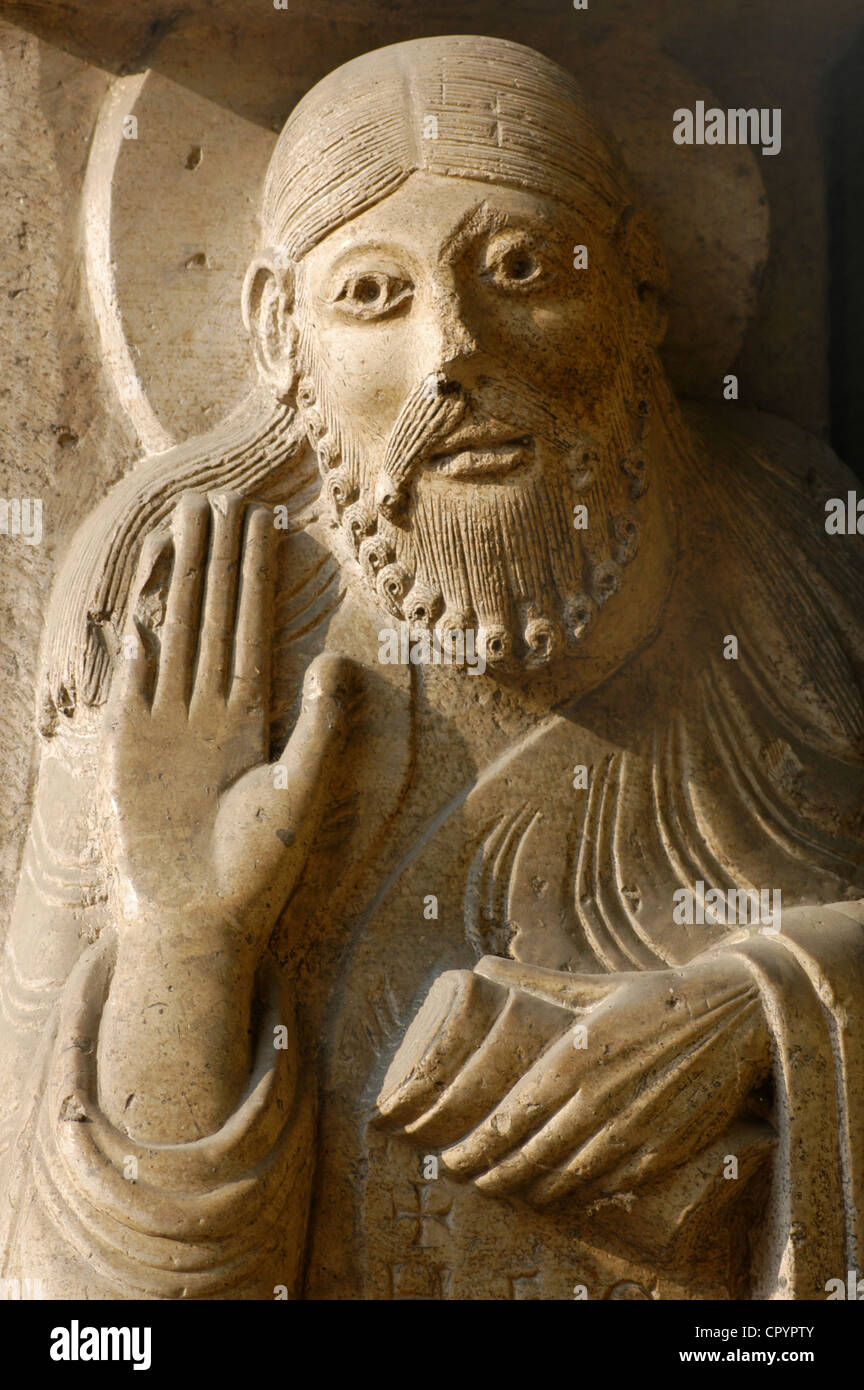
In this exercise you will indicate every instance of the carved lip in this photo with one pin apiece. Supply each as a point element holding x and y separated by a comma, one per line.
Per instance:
<point>478,452</point>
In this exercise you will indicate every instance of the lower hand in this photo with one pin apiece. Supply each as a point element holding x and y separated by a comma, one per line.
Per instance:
<point>572,1081</point>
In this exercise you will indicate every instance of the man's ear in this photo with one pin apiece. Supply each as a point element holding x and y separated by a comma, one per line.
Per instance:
<point>268,303</point>
<point>642,257</point>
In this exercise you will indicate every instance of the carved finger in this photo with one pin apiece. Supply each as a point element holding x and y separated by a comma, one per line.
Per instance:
<point>547,1085</point>
<point>182,618</point>
<point>250,683</point>
<point>281,804</point>
<point>134,659</point>
<point>220,597</point>
<point>332,690</point>
<point>522,1030</point>
<point>452,1021</point>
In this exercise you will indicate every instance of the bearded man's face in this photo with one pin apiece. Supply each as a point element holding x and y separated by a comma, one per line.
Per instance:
<point>469,391</point>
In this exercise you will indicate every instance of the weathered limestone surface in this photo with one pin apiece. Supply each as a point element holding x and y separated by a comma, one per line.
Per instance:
<point>338,967</point>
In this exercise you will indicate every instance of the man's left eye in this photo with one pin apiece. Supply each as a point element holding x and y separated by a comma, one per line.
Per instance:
<point>372,294</point>
<point>515,267</point>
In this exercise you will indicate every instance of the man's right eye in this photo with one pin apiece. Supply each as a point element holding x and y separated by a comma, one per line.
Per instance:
<point>372,294</point>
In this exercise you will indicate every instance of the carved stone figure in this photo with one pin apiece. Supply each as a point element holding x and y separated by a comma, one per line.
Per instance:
<point>336,974</point>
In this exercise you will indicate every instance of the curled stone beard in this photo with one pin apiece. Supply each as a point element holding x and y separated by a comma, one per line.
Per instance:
<point>501,558</point>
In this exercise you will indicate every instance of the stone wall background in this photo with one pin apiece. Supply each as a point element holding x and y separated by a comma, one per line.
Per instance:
<point>62,435</point>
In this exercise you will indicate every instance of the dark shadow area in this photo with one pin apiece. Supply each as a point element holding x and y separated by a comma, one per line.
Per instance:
<point>844,160</point>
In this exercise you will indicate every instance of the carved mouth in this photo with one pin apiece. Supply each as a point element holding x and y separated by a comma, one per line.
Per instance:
<point>472,453</point>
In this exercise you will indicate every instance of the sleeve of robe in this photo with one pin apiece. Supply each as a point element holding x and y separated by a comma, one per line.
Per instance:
<point>812,981</point>
<point>90,1213</point>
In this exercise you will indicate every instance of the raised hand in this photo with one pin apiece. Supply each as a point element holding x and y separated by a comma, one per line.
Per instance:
<point>206,839</point>
<point>197,820</point>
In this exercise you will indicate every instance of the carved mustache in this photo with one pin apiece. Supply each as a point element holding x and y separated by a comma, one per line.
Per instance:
<point>430,424</point>
<point>433,409</point>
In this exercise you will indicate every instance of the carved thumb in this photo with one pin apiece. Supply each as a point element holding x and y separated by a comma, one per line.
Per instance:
<point>281,804</point>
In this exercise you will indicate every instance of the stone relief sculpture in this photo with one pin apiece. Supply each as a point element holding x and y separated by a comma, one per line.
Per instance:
<point>336,974</point>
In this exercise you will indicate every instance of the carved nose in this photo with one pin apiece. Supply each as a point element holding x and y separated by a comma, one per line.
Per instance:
<point>456,343</point>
